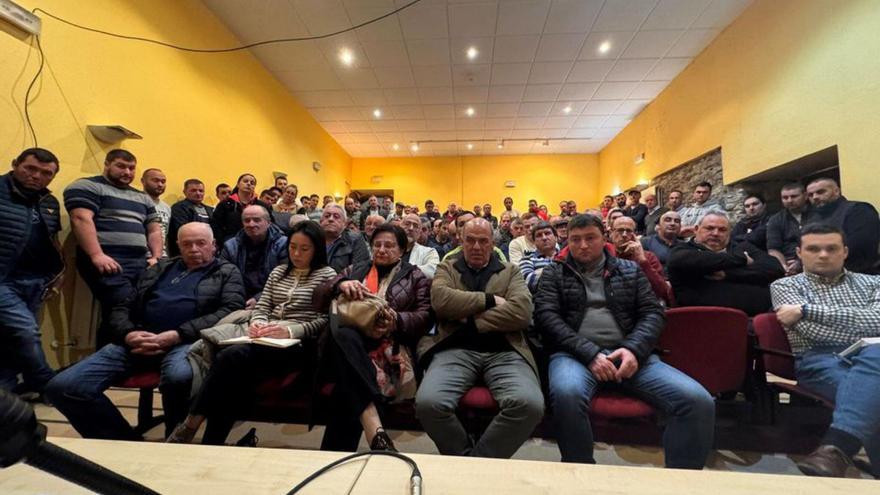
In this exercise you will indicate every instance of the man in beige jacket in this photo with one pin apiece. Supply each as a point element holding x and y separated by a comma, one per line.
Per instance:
<point>483,308</point>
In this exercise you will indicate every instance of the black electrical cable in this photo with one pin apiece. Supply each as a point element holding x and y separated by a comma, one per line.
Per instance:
<point>226,50</point>
<point>27,94</point>
<point>415,477</point>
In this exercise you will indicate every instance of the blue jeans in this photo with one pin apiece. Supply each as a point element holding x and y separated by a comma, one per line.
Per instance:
<point>21,350</point>
<point>854,389</point>
<point>78,391</point>
<point>691,410</point>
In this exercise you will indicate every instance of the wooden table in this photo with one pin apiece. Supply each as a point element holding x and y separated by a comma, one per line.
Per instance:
<point>195,469</point>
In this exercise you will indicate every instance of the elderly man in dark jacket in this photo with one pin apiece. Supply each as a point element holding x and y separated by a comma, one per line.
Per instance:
<point>30,263</point>
<point>173,301</point>
<point>256,250</point>
<point>344,247</point>
<point>600,321</point>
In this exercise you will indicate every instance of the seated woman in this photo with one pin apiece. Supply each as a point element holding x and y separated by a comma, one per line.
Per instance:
<point>370,371</point>
<point>284,311</point>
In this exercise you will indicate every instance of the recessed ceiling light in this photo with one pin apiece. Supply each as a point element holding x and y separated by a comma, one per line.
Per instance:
<point>395,146</point>
<point>472,53</point>
<point>470,146</point>
<point>605,46</point>
<point>470,111</point>
<point>377,113</point>
<point>567,109</point>
<point>501,144</point>
<point>414,147</point>
<point>346,56</point>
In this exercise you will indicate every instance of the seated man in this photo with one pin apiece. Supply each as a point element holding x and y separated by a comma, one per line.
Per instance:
<point>256,250</point>
<point>706,271</point>
<point>456,228</point>
<point>546,249</point>
<point>344,248</point>
<point>173,301</point>
<point>483,309</point>
<point>422,257</point>
<point>521,247</point>
<point>665,237</point>
<point>824,310</point>
<point>600,337</point>
<point>560,225</point>
<point>753,227</point>
<point>627,247</point>
<point>784,228</point>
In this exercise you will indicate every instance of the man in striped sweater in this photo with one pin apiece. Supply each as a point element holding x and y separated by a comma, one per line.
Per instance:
<point>545,250</point>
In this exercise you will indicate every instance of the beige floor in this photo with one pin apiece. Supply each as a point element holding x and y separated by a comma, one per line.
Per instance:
<point>298,436</point>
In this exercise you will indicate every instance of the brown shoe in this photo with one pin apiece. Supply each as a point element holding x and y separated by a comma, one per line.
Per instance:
<point>827,460</point>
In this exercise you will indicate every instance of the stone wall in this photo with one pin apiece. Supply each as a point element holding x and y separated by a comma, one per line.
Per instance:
<point>706,168</point>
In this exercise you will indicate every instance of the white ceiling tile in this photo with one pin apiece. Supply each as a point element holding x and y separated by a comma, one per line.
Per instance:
<point>389,137</point>
<point>501,110</point>
<point>383,126</point>
<point>342,138</point>
<point>433,124</point>
<point>499,124</point>
<point>617,121</point>
<point>534,109</point>
<point>323,98</point>
<point>434,75</point>
<point>348,113</point>
<point>549,72</point>
<point>439,111</point>
<point>468,94</point>
<point>367,113</point>
<point>472,20</point>
<point>424,21</point>
<point>395,77</point>
<point>290,56</point>
<point>614,90</point>
<point>469,124</point>
<point>578,91</point>
<point>527,134</point>
<point>559,47</point>
<point>720,13</point>
<point>581,133</point>
<point>312,79</point>
<point>522,17</point>
<point>471,75</point>
<point>386,53</point>
<point>411,125</point>
<point>529,122</point>
<point>576,107</point>
<point>651,44</point>
<point>358,78</point>
<point>444,135</point>
<point>386,29</point>
<point>590,71</point>
<point>407,112</point>
<point>362,137</point>
<point>675,14</point>
<point>601,107</point>
<point>617,42</point>
<point>559,122</point>
<point>321,16</point>
<point>667,69</point>
<point>692,42</point>
<point>623,15</point>
<point>648,89</point>
<point>503,74</point>
<point>607,132</point>
<point>333,127</point>
<point>539,92</point>
<point>631,70</point>
<point>368,97</point>
<point>438,95</point>
<point>502,94</point>
<point>357,126</point>
<point>572,16</point>
<point>515,49</point>
<point>459,48</point>
<point>334,46</point>
<point>631,108</point>
<point>475,134</point>
<point>553,133</point>
<point>323,114</point>
<point>401,96</point>
<point>428,52</point>
<point>591,121</point>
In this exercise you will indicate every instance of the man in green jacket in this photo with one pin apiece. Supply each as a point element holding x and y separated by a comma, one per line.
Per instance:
<point>483,308</point>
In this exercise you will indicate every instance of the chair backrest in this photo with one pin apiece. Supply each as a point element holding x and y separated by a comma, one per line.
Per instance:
<point>771,335</point>
<point>709,344</point>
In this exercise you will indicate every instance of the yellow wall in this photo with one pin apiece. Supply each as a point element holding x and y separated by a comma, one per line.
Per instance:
<point>206,116</point>
<point>787,78</point>
<point>469,180</point>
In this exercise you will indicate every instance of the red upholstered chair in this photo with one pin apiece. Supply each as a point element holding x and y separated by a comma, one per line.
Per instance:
<point>709,344</point>
<point>777,357</point>
<point>613,405</point>
<point>145,382</point>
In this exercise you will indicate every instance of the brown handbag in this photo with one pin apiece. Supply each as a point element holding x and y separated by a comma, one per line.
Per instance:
<point>360,314</point>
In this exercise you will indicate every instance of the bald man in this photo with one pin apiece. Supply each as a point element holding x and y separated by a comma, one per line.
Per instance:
<point>173,301</point>
<point>256,250</point>
<point>483,308</point>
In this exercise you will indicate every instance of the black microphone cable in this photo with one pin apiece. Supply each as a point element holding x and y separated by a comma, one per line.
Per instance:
<point>415,477</point>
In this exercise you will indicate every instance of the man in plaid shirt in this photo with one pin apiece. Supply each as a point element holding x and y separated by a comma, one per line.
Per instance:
<point>824,310</point>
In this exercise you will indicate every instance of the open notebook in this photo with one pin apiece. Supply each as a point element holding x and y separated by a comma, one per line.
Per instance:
<point>267,341</point>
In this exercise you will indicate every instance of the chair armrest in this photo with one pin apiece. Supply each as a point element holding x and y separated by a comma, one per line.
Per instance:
<point>774,352</point>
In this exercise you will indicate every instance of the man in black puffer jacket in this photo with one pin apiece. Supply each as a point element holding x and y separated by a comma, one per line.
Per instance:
<point>30,263</point>
<point>600,321</point>
<point>172,302</point>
